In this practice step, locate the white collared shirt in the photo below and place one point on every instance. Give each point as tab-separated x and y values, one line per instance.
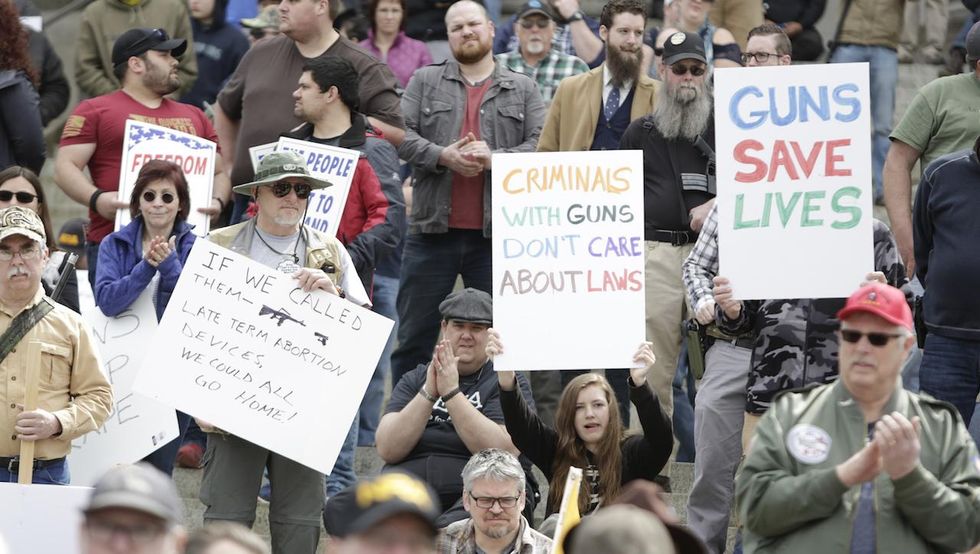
607	86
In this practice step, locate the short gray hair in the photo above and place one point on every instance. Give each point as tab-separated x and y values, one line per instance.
211	534
495	464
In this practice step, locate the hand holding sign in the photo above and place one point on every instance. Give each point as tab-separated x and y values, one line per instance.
507	380
36	425
645	357
309	279
726	299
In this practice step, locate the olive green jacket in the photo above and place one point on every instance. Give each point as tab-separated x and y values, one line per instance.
790	499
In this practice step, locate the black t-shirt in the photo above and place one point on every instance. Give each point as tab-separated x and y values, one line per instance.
440	436
674	174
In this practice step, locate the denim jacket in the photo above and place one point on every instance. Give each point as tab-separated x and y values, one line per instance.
511	117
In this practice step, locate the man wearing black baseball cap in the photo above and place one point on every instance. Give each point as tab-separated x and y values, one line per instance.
145	61
105	21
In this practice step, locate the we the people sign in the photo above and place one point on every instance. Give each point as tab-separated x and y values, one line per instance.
248	351
568	258
334	165
194	155
794	179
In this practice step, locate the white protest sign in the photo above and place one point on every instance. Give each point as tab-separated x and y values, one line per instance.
336	165
138	425
794	180
568	259
256	153
256	356
194	155
41	518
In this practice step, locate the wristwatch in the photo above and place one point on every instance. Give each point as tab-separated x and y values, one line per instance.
449	395
577	16
425	394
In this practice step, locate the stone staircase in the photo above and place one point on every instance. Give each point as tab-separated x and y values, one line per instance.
368	463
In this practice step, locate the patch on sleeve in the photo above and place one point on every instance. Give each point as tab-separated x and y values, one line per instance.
808	443
73	126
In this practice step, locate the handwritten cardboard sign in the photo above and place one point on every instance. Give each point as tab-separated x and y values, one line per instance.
332	164
568	259
194	155
41	518
794	180
138	425
256	356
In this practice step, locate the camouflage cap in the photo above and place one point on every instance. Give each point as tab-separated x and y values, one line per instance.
268	18
16	220
884	301
468	304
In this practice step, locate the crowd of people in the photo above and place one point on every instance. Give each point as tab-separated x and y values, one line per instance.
807	419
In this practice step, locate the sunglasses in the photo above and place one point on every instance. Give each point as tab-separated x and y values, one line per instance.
876	339
22	197
539	23
696	70
302	190
760	57
150	196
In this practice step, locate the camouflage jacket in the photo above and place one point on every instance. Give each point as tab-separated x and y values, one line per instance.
795	339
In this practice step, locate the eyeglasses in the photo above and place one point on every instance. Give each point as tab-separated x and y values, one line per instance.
141	535
150	196
302	190
26	254
487	502
696	70
537	22
760	57
22	197
876	339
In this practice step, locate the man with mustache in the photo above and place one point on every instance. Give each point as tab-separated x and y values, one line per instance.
145	61
73	396
457	113
677	140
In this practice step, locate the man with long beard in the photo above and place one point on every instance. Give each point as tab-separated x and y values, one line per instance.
678	190
602	103
457	113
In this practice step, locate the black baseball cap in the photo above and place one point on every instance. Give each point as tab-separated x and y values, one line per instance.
135	42
683	46
360	507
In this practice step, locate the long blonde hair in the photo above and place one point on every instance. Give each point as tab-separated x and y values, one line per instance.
571	449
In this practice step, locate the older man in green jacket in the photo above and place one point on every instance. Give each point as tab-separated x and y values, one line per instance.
862	465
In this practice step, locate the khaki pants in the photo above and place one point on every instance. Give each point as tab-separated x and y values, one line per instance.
666	309
933	17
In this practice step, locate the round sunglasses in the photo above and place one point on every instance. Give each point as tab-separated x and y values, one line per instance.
150	196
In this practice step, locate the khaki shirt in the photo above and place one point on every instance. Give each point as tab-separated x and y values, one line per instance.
72	385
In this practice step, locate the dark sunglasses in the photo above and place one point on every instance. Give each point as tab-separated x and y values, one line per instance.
696	70
22	197
302	190
876	339
539	23
150	196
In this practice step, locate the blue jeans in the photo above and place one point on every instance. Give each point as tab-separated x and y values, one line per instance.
163	458
92	252
683	418
950	371
385	295
430	265
54	474
960	40
343	474
883	78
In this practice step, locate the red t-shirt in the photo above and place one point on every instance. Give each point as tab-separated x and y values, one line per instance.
466	203
102	120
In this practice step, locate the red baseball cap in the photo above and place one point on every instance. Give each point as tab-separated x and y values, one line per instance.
884	301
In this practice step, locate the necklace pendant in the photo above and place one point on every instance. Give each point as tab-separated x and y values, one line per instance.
288	266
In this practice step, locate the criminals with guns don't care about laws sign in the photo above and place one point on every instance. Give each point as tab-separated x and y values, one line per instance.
794	180
246	350
568	258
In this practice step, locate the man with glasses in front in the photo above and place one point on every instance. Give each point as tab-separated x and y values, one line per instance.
862	465
276	237
494	495
73	396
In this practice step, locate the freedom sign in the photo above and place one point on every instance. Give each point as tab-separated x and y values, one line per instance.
334	165
251	353
194	155
794	180
138	425
568	259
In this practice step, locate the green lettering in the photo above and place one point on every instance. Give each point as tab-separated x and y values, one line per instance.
853	211
739	223
766	209
786	210
808	207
